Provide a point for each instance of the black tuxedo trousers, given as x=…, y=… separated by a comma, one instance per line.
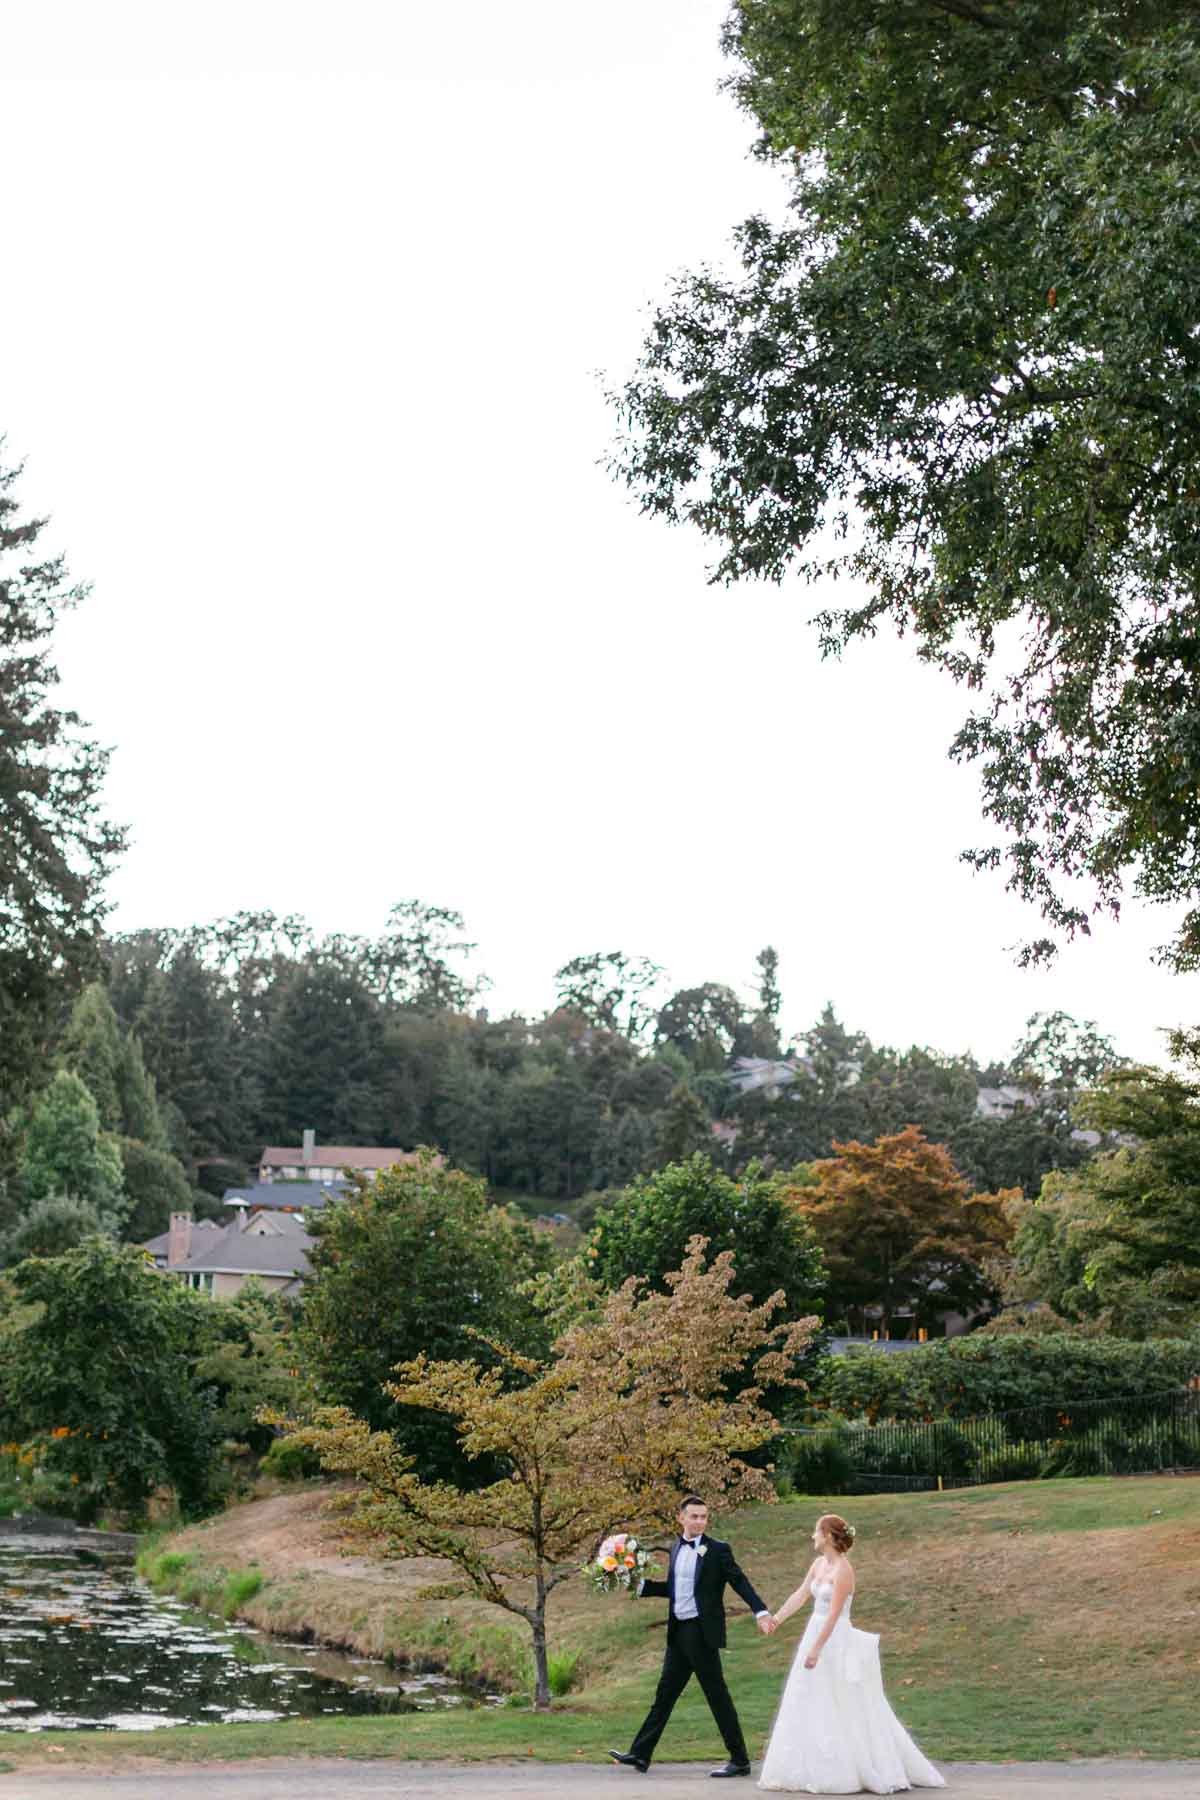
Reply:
x=689, y=1654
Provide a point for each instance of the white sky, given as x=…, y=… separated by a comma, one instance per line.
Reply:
x=299, y=332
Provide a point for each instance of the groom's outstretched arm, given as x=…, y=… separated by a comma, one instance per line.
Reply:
x=653, y=1590
x=742, y=1586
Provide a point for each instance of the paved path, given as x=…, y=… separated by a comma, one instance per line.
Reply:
x=319, y=1780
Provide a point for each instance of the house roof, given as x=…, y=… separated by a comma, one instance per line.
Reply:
x=272, y=1196
x=335, y=1156
x=159, y=1246
x=238, y=1251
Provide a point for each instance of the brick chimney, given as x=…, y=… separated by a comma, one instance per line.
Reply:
x=179, y=1239
x=310, y=1144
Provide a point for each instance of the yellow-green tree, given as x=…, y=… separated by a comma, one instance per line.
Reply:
x=629, y=1411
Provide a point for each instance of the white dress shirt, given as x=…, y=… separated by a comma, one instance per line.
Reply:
x=687, y=1567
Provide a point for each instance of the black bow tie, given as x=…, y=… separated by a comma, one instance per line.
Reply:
x=691, y=1543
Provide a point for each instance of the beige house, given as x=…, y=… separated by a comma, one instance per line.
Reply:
x=272, y=1248
x=310, y=1162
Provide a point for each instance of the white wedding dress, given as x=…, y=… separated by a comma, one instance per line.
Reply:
x=835, y=1732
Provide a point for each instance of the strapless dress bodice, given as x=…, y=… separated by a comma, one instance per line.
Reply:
x=823, y=1599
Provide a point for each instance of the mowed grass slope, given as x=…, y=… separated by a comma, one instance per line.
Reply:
x=1034, y=1620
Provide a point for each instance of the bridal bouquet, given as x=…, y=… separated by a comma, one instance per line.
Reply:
x=620, y=1563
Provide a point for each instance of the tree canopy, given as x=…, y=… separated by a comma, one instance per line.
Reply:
x=66, y=1152
x=1117, y=1242
x=963, y=376
x=646, y=1228
x=96, y=1367
x=411, y=1263
x=901, y=1232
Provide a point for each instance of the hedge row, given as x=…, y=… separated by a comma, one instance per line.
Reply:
x=968, y=1377
x=864, y=1459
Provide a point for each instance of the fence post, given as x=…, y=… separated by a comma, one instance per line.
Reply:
x=940, y=1489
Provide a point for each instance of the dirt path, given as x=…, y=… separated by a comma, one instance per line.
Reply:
x=290, y=1780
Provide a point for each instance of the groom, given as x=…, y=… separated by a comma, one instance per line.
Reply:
x=701, y=1568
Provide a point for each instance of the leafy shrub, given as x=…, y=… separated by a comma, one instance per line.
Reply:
x=289, y=1460
x=1015, y=1461
x=204, y=1591
x=1075, y=1456
x=241, y=1587
x=821, y=1463
x=166, y=1569
x=563, y=1668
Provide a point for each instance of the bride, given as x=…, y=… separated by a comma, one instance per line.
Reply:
x=835, y=1732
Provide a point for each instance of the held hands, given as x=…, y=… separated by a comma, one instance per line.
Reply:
x=767, y=1624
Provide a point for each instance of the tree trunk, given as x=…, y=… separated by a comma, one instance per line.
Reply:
x=541, y=1663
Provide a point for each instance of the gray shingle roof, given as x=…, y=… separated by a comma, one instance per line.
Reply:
x=273, y=1196
x=239, y=1252
x=159, y=1246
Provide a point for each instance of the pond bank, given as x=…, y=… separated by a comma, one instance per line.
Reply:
x=274, y=1563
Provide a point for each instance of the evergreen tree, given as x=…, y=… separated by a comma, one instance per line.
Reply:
x=323, y=1063
x=92, y=1048
x=465, y=1111
x=766, y=1038
x=180, y=1010
x=141, y=1116
x=55, y=848
x=66, y=1152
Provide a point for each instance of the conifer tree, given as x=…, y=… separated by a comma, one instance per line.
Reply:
x=56, y=848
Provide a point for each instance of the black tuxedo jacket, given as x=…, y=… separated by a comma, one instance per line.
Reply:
x=716, y=1572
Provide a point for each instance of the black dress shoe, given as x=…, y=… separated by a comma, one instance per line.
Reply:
x=631, y=1761
x=731, y=1768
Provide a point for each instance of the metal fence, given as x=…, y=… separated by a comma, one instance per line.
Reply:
x=1135, y=1436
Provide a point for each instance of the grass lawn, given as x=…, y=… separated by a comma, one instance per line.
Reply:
x=1029, y=1621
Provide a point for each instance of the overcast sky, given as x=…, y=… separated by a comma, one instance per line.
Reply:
x=302, y=317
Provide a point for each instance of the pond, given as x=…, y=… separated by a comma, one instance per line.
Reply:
x=86, y=1645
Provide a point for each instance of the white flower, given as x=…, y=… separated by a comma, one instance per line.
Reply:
x=701, y=1549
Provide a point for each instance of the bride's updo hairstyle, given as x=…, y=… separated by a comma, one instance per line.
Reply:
x=841, y=1535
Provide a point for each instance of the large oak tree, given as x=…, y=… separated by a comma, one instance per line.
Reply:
x=964, y=373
